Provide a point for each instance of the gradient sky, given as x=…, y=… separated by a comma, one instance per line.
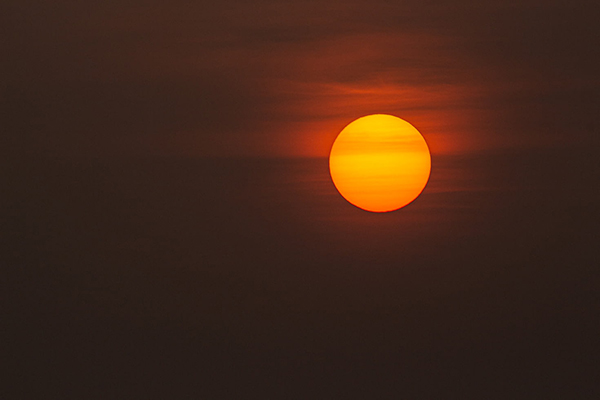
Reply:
x=170, y=230
x=272, y=78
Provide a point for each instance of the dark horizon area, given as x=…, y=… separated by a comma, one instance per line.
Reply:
x=253, y=278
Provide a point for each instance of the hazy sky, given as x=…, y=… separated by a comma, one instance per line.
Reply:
x=207, y=275
x=283, y=78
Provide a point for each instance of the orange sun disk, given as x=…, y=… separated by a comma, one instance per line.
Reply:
x=380, y=163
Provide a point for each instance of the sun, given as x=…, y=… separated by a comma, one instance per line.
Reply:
x=380, y=163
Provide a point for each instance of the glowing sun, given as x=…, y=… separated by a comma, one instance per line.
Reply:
x=380, y=163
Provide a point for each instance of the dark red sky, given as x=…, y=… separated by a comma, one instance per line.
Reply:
x=164, y=237
x=282, y=78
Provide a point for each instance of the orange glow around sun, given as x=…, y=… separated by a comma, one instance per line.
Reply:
x=380, y=163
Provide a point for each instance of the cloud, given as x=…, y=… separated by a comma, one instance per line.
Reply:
x=281, y=78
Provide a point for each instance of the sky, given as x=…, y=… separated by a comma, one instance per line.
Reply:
x=280, y=79
x=170, y=228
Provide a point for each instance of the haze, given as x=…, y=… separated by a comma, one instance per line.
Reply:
x=170, y=229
